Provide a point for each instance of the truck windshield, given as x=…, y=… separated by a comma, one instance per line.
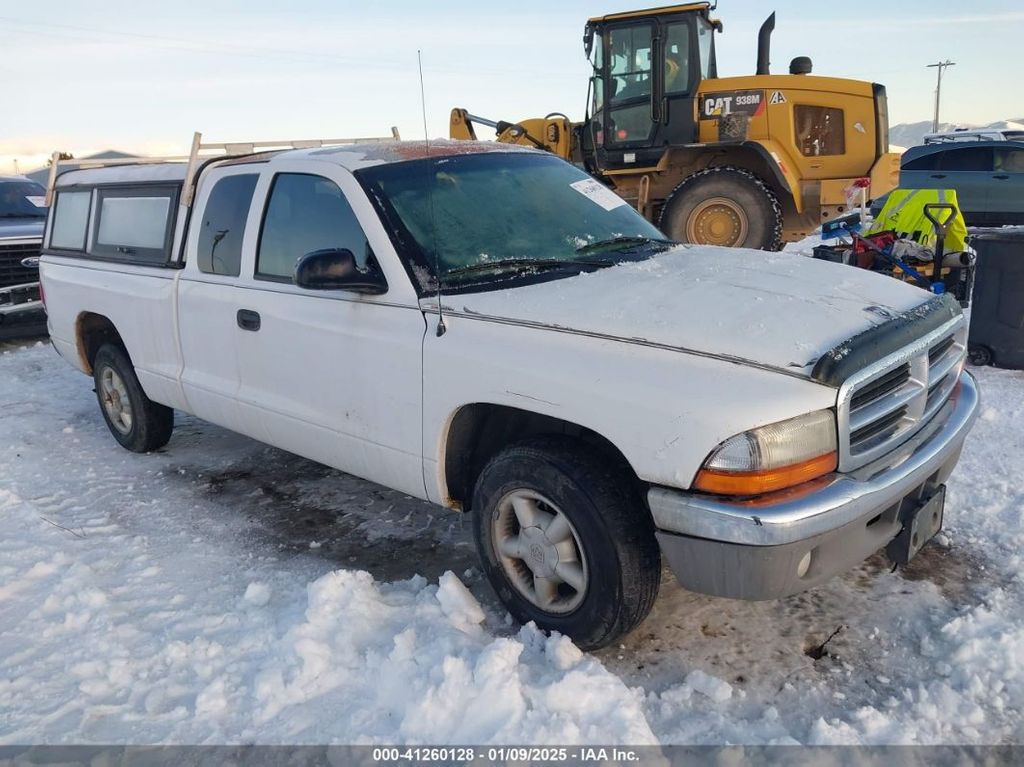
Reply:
x=478, y=217
x=22, y=199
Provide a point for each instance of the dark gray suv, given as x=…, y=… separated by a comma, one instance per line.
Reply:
x=988, y=177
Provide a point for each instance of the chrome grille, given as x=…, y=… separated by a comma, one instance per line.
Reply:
x=11, y=270
x=883, y=405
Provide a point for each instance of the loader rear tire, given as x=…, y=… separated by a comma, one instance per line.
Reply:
x=724, y=206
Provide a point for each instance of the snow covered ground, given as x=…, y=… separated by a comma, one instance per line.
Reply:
x=223, y=591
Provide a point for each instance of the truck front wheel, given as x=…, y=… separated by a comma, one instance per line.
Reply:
x=566, y=541
x=137, y=423
x=724, y=206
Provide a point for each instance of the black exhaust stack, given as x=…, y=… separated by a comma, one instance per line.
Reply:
x=764, y=44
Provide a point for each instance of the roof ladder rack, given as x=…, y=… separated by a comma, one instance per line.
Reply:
x=196, y=156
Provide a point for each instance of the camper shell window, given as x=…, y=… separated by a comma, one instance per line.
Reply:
x=70, y=220
x=134, y=223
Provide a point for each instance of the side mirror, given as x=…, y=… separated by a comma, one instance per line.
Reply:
x=336, y=269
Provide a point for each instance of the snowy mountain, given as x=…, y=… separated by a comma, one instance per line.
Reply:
x=912, y=134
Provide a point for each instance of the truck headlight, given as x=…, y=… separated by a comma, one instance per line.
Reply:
x=772, y=457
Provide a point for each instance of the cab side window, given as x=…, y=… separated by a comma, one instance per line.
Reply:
x=305, y=213
x=223, y=224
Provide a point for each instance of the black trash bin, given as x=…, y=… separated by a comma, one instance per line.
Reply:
x=997, y=311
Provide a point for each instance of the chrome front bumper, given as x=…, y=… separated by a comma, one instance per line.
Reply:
x=753, y=549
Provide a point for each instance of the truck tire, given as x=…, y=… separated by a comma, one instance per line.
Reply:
x=597, y=575
x=137, y=423
x=723, y=206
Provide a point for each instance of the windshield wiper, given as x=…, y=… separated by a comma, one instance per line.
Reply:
x=22, y=215
x=525, y=264
x=620, y=243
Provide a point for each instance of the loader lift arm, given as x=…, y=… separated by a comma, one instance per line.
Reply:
x=552, y=133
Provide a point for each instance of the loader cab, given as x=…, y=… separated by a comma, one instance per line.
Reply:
x=647, y=67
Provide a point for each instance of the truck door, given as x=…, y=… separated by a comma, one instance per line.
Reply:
x=332, y=375
x=223, y=225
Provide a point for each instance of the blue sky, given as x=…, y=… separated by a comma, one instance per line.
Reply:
x=144, y=75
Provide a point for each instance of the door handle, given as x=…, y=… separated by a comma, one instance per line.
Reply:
x=938, y=175
x=1001, y=176
x=248, y=319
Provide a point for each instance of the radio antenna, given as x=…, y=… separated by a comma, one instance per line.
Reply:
x=442, y=328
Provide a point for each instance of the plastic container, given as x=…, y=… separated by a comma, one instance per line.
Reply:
x=997, y=312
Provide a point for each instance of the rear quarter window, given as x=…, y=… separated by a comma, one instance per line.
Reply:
x=223, y=224
x=928, y=161
x=967, y=159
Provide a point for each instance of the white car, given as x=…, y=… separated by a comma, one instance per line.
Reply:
x=488, y=328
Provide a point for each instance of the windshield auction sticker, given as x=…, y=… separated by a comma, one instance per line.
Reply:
x=598, y=193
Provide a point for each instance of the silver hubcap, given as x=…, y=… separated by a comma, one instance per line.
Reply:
x=540, y=551
x=115, y=400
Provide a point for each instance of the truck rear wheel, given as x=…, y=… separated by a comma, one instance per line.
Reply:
x=137, y=423
x=724, y=206
x=565, y=540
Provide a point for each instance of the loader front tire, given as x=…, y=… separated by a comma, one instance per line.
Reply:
x=724, y=206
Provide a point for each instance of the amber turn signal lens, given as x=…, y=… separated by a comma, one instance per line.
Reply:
x=767, y=480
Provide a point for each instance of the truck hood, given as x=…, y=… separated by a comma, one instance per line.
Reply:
x=21, y=227
x=775, y=310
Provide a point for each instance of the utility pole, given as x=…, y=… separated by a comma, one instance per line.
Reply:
x=16, y=173
x=940, y=65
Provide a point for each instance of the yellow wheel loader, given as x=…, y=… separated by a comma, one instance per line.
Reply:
x=751, y=161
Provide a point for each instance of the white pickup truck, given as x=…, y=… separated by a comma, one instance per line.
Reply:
x=488, y=328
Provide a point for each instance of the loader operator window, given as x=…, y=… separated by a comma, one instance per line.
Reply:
x=630, y=63
x=629, y=50
x=705, y=46
x=819, y=130
x=677, y=59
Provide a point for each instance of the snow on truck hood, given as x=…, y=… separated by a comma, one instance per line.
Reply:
x=777, y=310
